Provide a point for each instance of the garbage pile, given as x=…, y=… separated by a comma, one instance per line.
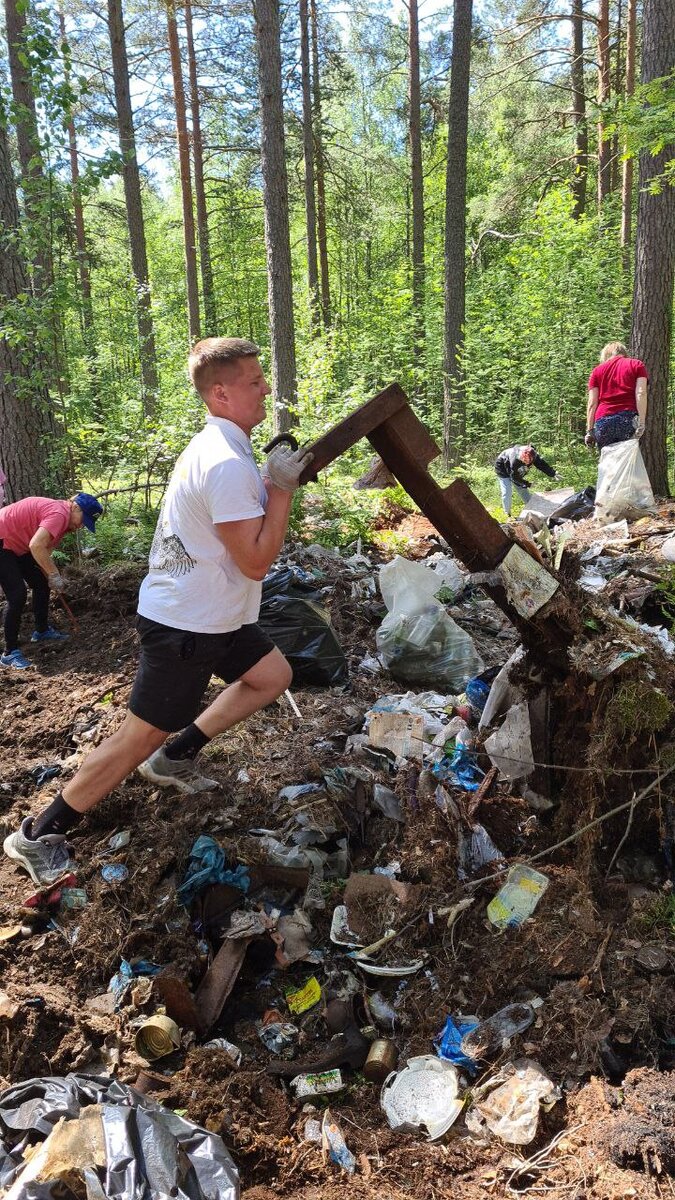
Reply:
x=375, y=944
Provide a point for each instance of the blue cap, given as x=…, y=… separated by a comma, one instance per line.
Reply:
x=91, y=509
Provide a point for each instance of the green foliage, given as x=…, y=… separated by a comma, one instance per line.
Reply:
x=660, y=915
x=646, y=121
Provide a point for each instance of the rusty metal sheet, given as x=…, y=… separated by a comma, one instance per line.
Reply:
x=219, y=980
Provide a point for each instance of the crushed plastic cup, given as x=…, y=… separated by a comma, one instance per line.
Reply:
x=509, y=1103
x=518, y=898
x=424, y=1095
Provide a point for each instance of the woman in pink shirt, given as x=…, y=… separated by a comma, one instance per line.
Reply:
x=617, y=398
x=29, y=531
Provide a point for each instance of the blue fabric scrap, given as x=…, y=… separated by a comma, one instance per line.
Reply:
x=207, y=865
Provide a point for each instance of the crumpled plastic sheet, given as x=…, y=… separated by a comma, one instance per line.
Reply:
x=151, y=1153
x=208, y=864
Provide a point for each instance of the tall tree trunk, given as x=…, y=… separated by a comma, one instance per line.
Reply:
x=132, y=196
x=189, y=240
x=25, y=120
x=618, y=77
x=580, y=170
x=78, y=213
x=604, y=85
x=454, y=424
x=208, y=291
x=308, y=154
x=275, y=200
x=322, y=230
x=24, y=408
x=627, y=177
x=655, y=253
x=416, y=177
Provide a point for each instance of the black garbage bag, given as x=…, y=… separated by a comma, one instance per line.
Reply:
x=302, y=630
x=575, y=508
x=147, y=1150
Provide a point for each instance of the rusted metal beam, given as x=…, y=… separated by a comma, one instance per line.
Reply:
x=354, y=427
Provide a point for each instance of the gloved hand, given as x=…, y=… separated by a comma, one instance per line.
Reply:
x=285, y=466
x=639, y=430
x=589, y=440
x=56, y=582
x=558, y=477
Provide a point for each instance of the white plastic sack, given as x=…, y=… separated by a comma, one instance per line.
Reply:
x=623, y=489
x=418, y=641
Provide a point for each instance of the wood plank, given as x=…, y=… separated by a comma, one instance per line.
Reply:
x=354, y=427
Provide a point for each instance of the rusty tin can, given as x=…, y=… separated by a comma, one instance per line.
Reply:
x=381, y=1060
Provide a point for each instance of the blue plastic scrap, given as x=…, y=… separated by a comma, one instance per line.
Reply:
x=128, y=971
x=208, y=864
x=448, y=1044
x=462, y=769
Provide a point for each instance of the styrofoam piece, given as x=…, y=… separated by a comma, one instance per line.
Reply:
x=424, y=1095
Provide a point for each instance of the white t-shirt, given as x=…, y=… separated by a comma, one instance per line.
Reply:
x=193, y=582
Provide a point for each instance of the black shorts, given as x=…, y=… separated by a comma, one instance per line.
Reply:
x=175, y=668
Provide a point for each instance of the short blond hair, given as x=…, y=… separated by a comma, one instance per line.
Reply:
x=611, y=350
x=211, y=354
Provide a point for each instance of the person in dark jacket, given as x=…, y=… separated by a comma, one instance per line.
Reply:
x=512, y=466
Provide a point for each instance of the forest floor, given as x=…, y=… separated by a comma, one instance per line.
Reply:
x=605, y=1032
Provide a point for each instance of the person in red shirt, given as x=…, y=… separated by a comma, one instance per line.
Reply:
x=29, y=531
x=617, y=398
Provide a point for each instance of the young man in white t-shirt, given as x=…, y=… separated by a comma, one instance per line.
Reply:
x=221, y=527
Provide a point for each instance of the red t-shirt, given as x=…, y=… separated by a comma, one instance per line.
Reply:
x=18, y=522
x=615, y=381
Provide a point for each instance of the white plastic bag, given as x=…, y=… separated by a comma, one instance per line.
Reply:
x=418, y=641
x=623, y=489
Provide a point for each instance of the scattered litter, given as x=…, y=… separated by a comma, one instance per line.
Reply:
x=493, y=1035
x=518, y=898
x=382, y=1011
x=208, y=864
x=42, y=774
x=401, y=733
x=278, y=1036
x=8, y=1008
x=7, y=932
x=74, y=897
x=381, y=1060
x=508, y=1104
x=123, y=979
x=510, y=746
x=114, y=873
x=103, y=1138
x=418, y=641
x=304, y=998
x=449, y=1044
x=232, y=1051
x=318, y=1084
x=387, y=802
x=333, y=1144
x=423, y=1095
x=157, y=1037
x=119, y=840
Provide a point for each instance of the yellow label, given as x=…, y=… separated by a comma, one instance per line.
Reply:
x=305, y=997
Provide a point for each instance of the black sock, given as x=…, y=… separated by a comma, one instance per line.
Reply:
x=187, y=744
x=59, y=817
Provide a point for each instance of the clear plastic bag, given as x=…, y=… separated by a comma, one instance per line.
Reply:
x=624, y=489
x=418, y=641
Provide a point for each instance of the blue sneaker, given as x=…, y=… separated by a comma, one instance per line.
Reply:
x=49, y=635
x=14, y=659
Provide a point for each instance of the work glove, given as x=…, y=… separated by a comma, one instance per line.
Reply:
x=284, y=466
x=56, y=582
x=589, y=440
x=639, y=430
x=558, y=477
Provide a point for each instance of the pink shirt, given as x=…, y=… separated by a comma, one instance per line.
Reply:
x=615, y=380
x=20, y=521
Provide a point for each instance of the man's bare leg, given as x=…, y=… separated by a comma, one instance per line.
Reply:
x=110, y=763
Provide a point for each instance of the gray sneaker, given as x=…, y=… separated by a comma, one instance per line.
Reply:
x=180, y=773
x=46, y=858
